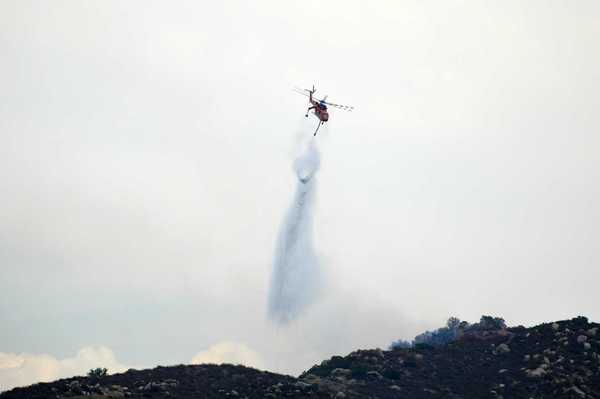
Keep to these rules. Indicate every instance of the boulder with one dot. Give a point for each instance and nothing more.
(374, 375)
(536, 373)
(339, 372)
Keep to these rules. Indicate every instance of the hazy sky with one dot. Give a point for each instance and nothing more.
(146, 165)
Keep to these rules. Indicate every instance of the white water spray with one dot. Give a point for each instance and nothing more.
(295, 276)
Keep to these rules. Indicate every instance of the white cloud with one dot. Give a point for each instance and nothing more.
(25, 369)
(229, 352)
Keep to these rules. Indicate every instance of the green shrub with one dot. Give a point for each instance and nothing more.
(359, 371)
(338, 362)
(423, 346)
(391, 374)
(97, 372)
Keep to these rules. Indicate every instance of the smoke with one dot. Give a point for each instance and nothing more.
(23, 369)
(229, 352)
(295, 276)
(452, 331)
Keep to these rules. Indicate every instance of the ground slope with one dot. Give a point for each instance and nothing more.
(553, 360)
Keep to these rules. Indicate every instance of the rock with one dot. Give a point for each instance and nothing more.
(587, 346)
(555, 326)
(311, 379)
(503, 348)
(536, 373)
(592, 332)
(331, 386)
(502, 371)
(340, 395)
(339, 372)
(581, 339)
(577, 391)
(111, 394)
(374, 375)
(302, 384)
(526, 358)
(276, 387)
(171, 382)
(395, 388)
(76, 388)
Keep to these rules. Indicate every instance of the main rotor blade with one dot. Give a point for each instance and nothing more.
(340, 106)
(300, 91)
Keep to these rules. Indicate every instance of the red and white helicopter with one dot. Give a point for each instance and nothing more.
(319, 107)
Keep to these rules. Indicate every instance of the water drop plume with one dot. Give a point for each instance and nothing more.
(295, 278)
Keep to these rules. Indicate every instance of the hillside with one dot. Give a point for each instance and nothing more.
(552, 360)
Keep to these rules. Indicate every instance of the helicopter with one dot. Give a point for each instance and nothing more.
(319, 106)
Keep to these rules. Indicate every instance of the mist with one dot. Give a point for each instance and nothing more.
(295, 278)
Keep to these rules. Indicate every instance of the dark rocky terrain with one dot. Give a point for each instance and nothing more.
(554, 360)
